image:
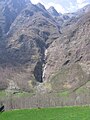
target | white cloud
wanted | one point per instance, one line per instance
(36, 1)
(72, 8)
(82, 3)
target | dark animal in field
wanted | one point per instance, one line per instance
(39, 107)
(2, 109)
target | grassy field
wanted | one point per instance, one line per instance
(65, 113)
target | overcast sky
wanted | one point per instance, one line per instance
(63, 6)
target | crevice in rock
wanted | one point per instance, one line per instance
(38, 71)
(66, 62)
(39, 68)
(78, 59)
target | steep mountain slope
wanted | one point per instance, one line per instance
(9, 10)
(84, 9)
(29, 35)
(71, 18)
(68, 66)
(43, 51)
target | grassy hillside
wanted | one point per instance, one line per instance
(66, 113)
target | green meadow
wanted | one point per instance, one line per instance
(64, 113)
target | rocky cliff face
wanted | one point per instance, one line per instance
(38, 46)
(68, 66)
(10, 9)
(53, 12)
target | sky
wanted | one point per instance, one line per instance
(63, 6)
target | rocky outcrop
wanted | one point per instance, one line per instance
(53, 12)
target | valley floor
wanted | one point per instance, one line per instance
(65, 113)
